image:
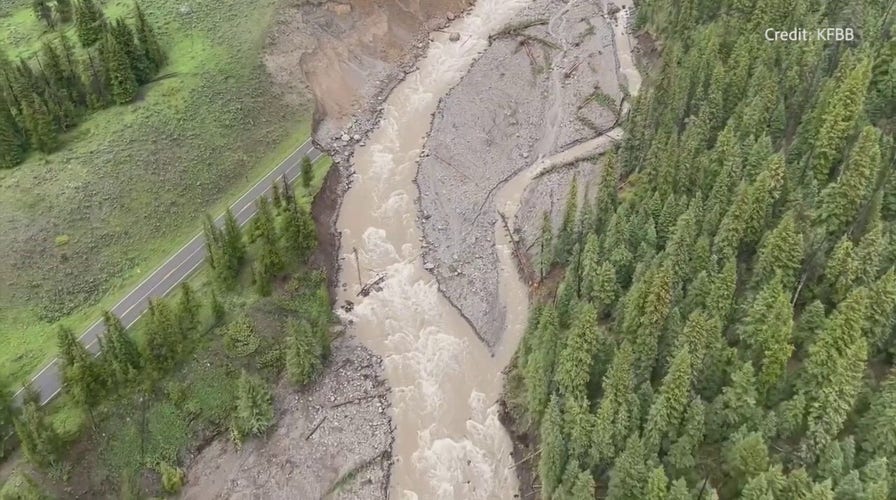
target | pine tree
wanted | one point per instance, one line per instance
(39, 127)
(64, 10)
(681, 456)
(120, 352)
(670, 403)
(646, 308)
(578, 424)
(552, 461)
(43, 12)
(877, 427)
(546, 242)
(122, 82)
(299, 231)
(657, 485)
(737, 406)
(81, 375)
(875, 477)
(7, 416)
(538, 372)
(598, 277)
(270, 261)
(781, 253)
(566, 237)
(746, 456)
(606, 199)
(254, 411)
(797, 485)
(837, 119)
(833, 372)
(619, 412)
(840, 201)
(628, 478)
(700, 333)
(841, 270)
(276, 197)
(303, 353)
(233, 240)
(307, 172)
(217, 308)
(679, 490)
(124, 39)
(148, 42)
(161, 344)
(766, 333)
(39, 439)
(882, 311)
(90, 23)
(582, 487)
(12, 151)
(188, 311)
(575, 359)
(764, 485)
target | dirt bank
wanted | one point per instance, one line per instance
(333, 438)
(349, 54)
(548, 83)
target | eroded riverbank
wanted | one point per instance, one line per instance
(448, 443)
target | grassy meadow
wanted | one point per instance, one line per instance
(129, 185)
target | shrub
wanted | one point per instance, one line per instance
(172, 477)
(240, 339)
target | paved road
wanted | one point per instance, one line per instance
(174, 271)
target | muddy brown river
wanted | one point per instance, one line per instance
(448, 440)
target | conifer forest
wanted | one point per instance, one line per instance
(44, 96)
(725, 326)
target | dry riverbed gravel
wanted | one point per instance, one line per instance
(549, 82)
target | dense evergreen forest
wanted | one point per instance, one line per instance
(49, 94)
(725, 324)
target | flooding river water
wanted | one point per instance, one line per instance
(448, 440)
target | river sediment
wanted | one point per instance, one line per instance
(548, 83)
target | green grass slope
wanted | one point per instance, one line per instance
(128, 187)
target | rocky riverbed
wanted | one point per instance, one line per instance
(548, 82)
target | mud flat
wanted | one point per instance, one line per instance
(332, 439)
(548, 82)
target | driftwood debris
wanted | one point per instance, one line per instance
(372, 285)
(520, 255)
(529, 456)
(570, 71)
(316, 427)
(357, 400)
(525, 44)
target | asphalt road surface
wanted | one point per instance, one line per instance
(174, 271)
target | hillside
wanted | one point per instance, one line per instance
(724, 327)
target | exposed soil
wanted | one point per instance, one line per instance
(349, 54)
(523, 100)
(332, 439)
